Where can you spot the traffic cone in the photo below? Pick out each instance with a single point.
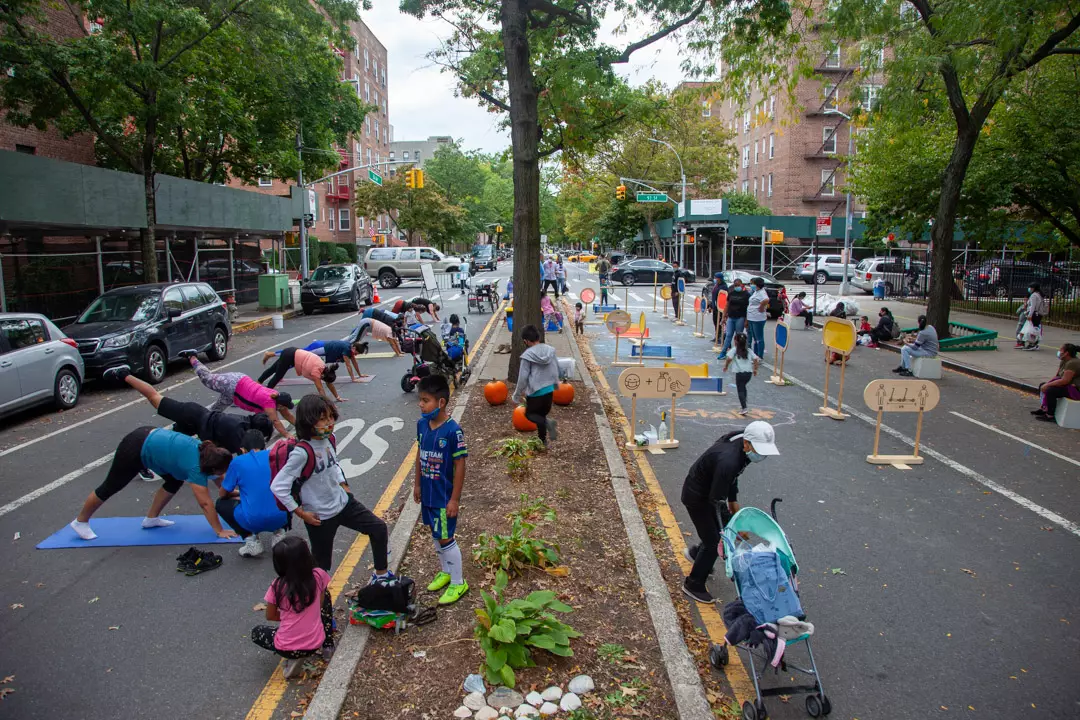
(375, 300)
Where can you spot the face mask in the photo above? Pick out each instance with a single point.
(430, 415)
(322, 433)
(754, 457)
(1059, 354)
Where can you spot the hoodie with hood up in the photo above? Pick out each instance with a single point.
(539, 371)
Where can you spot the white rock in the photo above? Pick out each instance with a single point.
(463, 712)
(535, 699)
(474, 701)
(506, 711)
(505, 717)
(486, 713)
(526, 711)
(581, 685)
(549, 708)
(570, 702)
(552, 694)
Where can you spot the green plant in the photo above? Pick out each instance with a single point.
(611, 652)
(518, 454)
(628, 694)
(516, 551)
(508, 632)
(532, 510)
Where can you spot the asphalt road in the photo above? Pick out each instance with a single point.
(942, 590)
(117, 632)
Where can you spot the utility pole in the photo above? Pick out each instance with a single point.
(847, 210)
(303, 208)
(682, 172)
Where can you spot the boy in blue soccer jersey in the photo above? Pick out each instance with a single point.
(440, 474)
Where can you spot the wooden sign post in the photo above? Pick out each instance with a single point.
(906, 396)
(699, 317)
(618, 322)
(837, 336)
(654, 383)
(681, 284)
(721, 305)
(665, 293)
(781, 341)
(587, 297)
(654, 291)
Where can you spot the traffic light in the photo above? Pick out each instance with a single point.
(776, 237)
(498, 229)
(418, 178)
(689, 239)
(410, 179)
(620, 192)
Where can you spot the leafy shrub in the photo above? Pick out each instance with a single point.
(509, 632)
(532, 510)
(518, 454)
(516, 551)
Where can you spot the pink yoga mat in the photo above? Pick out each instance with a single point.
(305, 381)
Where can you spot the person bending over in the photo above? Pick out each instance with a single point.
(243, 392)
(339, 351)
(306, 364)
(426, 305)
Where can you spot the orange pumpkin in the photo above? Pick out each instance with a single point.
(521, 422)
(495, 392)
(564, 394)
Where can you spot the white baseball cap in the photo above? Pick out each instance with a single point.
(761, 435)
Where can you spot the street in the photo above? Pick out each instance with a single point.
(117, 632)
(945, 588)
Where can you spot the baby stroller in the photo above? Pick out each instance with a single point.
(762, 565)
(484, 297)
(429, 358)
(456, 345)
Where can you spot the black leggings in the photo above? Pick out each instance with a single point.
(554, 284)
(741, 379)
(263, 635)
(708, 527)
(189, 417)
(127, 463)
(675, 304)
(537, 408)
(355, 517)
(280, 368)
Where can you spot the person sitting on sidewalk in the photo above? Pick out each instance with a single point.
(537, 378)
(924, 344)
(1066, 384)
(711, 492)
(799, 308)
(246, 502)
(885, 328)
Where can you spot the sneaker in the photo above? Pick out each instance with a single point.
(441, 580)
(293, 668)
(327, 652)
(1018, 346)
(251, 547)
(1040, 411)
(117, 373)
(147, 475)
(553, 429)
(186, 354)
(1046, 418)
(453, 593)
(743, 411)
(185, 561)
(278, 537)
(701, 595)
(898, 369)
(206, 561)
(388, 576)
(906, 373)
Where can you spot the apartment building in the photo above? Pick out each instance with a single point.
(418, 152)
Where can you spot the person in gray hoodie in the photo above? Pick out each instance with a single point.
(537, 378)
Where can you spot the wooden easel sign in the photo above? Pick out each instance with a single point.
(837, 336)
(721, 305)
(665, 293)
(900, 396)
(781, 341)
(587, 297)
(618, 322)
(699, 317)
(654, 383)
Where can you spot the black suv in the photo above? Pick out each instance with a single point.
(146, 326)
(336, 286)
(483, 258)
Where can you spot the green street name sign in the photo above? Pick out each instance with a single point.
(644, 197)
(374, 177)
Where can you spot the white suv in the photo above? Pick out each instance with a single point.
(822, 268)
(393, 265)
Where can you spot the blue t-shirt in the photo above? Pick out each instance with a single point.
(258, 510)
(439, 448)
(335, 350)
(174, 454)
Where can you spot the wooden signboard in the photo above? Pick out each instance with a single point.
(781, 341)
(655, 384)
(665, 295)
(838, 336)
(587, 297)
(618, 322)
(721, 305)
(699, 316)
(899, 396)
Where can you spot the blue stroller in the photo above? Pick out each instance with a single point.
(761, 563)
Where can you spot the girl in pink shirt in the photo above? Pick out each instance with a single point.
(307, 364)
(299, 600)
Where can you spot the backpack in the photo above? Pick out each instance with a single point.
(894, 331)
(383, 604)
(279, 455)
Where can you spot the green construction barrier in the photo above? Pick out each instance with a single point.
(965, 337)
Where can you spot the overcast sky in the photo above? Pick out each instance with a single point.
(422, 101)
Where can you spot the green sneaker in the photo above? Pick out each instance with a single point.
(453, 593)
(441, 580)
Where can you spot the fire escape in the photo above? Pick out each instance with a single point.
(340, 191)
(836, 75)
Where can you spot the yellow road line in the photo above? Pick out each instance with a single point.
(736, 672)
(268, 700)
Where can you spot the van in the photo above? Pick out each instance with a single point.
(391, 266)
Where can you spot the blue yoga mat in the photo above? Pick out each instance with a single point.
(128, 532)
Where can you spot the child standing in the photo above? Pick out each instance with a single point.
(440, 474)
(746, 365)
(537, 378)
(298, 599)
(324, 501)
(579, 319)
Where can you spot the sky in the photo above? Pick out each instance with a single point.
(422, 101)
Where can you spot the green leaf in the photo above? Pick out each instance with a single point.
(541, 641)
(541, 597)
(506, 674)
(559, 607)
(496, 658)
(562, 651)
(501, 579)
(505, 631)
(517, 656)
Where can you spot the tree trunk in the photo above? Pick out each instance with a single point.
(939, 301)
(525, 140)
(148, 237)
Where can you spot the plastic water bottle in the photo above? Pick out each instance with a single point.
(662, 431)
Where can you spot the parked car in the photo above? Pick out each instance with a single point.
(146, 326)
(218, 268)
(335, 286)
(645, 270)
(38, 364)
(619, 257)
(822, 268)
(869, 270)
(392, 266)
(1011, 280)
(483, 258)
(772, 288)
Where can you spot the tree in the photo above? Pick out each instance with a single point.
(420, 212)
(740, 203)
(539, 62)
(206, 90)
(962, 59)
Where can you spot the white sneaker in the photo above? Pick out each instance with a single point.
(293, 668)
(251, 547)
(278, 537)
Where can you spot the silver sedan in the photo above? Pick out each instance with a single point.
(38, 364)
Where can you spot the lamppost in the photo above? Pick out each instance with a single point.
(847, 211)
(682, 173)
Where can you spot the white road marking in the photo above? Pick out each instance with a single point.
(110, 411)
(1018, 439)
(454, 297)
(986, 482)
(637, 297)
(59, 482)
(387, 301)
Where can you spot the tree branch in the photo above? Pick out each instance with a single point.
(553, 11)
(485, 95)
(1051, 43)
(1065, 51)
(209, 31)
(624, 57)
(1042, 210)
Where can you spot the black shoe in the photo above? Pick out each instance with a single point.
(907, 373)
(188, 353)
(205, 561)
(701, 595)
(184, 562)
(1040, 411)
(1045, 418)
(898, 369)
(117, 373)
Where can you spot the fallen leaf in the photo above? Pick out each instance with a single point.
(6, 680)
(4, 692)
(114, 627)
(18, 535)
(94, 600)
(629, 691)
(40, 585)
(785, 698)
(969, 572)
(970, 708)
(838, 571)
(943, 707)
(16, 606)
(258, 607)
(296, 714)
(560, 571)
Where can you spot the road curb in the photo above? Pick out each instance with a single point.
(682, 672)
(262, 321)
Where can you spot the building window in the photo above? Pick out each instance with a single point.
(356, 50)
(367, 60)
(416, 155)
(746, 156)
(746, 122)
(392, 155)
(828, 182)
(360, 223)
(770, 185)
(330, 221)
(706, 108)
(772, 107)
(405, 155)
(745, 186)
(367, 92)
(25, 149)
(375, 66)
(344, 219)
(756, 152)
(266, 182)
(832, 59)
(377, 103)
(376, 127)
(367, 126)
(870, 96)
(832, 95)
(828, 140)
(369, 156)
(755, 187)
(772, 146)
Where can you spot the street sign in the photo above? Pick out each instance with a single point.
(646, 197)
(909, 396)
(824, 226)
(646, 382)
(377, 178)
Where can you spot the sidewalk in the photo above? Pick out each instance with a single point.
(1014, 368)
(249, 316)
(497, 366)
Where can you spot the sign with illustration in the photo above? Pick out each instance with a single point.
(656, 383)
(899, 396)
